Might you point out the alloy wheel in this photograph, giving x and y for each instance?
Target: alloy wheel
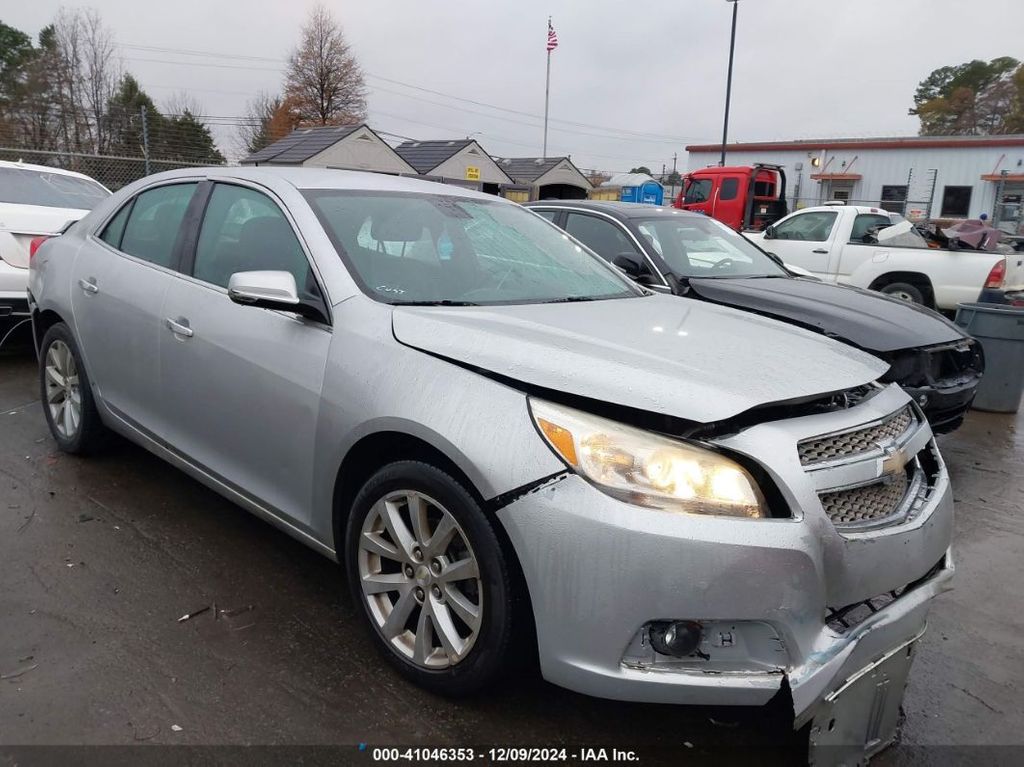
(420, 579)
(63, 392)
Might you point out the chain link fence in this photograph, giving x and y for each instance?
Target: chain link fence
(113, 171)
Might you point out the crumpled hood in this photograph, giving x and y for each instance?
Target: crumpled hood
(687, 359)
(865, 318)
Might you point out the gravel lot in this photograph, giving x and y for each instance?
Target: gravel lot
(100, 557)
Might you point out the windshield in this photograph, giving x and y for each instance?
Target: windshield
(49, 190)
(416, 249)
(697, 246)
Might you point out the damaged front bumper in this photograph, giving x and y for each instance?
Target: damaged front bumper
(942, 380)
(766, 592)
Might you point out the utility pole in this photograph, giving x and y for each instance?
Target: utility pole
(145, 137)
(728, 81)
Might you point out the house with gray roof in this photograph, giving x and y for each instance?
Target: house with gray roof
(459, 161)
(351, 147)
(546, 178)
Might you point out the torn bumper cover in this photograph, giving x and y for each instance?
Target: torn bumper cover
(602, 573)
(941, 379)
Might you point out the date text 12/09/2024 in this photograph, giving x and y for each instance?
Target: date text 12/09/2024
(432, 755)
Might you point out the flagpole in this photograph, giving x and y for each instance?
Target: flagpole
(547, 93)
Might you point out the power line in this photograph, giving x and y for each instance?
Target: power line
(227, 56)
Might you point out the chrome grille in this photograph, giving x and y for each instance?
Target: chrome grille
(867, 503)
(866, 440)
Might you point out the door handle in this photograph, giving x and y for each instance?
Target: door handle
(823, 251)
(89, 286)
(178, 328)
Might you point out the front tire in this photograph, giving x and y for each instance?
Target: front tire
(67, 394)
(428, 573)
(905, 292)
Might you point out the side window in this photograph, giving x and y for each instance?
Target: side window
(550, 215)
(865, 222)
(730, 189)
(814, 226)
(154, 222)
(603, 237)
(245, 231)
(699, 190)
(114, 230)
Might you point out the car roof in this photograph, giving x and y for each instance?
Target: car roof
(324, 178)
(19, 165)
(615, 208)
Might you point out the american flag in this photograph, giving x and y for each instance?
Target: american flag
(552, 37)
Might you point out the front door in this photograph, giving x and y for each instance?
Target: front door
(807, 240)
(120, 277)
(243, 384)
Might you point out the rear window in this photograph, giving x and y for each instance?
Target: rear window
(49, 190)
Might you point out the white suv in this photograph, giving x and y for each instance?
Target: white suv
(35, 201)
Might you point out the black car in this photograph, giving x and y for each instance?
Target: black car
(691, 255)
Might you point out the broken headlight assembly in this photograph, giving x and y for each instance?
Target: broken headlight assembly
(647, 469)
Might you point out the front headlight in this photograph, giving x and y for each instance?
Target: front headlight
(647, 469)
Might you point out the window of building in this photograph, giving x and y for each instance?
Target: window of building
(894, 198)
(956, 201)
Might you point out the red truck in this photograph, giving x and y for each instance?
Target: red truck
(747, 197)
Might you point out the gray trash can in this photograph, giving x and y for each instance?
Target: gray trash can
(1000, 329)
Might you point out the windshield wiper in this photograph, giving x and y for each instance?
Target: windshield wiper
(443, 302)
(569, 300)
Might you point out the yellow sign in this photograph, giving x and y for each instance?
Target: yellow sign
(472, 173)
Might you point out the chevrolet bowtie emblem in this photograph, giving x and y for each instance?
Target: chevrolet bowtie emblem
(895, 460)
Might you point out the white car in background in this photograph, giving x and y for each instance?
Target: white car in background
(35, 202)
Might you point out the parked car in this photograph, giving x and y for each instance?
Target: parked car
(35, 202)
(841, 244)
(743, 197)
(504, 440)
(691, 255)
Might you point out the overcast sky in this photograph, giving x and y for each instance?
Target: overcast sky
(631, 82)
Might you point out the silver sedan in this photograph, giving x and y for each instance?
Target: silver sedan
(506, 441)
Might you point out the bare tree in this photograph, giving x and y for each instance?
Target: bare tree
(324, 80)
(100, 72)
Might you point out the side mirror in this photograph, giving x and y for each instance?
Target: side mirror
(631, 264)
(267, 290)
(769, 232)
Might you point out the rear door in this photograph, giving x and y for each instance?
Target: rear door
(241, 384)
(119, 279)
(808, 240)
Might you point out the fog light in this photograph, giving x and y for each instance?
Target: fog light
(676, 638)
(922, 400)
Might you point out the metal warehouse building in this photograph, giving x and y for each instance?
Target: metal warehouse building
(920, 176)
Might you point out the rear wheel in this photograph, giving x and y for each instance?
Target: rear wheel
(429, 575)
(66, 393)
(904, 291)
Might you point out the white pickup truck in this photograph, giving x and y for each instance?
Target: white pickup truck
(829, 242)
